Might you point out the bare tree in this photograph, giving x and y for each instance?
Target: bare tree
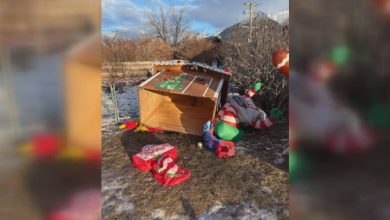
(169, 24)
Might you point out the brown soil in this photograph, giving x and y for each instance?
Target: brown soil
(250, 176)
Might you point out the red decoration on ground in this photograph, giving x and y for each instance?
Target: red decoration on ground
(280, 60)
(149, 154)
(168, 173)
(154, 130)
(45, 145)
(129, 125)
(161, 161)
(93, 155)
(225, 149)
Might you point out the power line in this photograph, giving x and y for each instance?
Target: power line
(251, 12)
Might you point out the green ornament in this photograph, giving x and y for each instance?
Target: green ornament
(379, 116)
(340, 54)
(276, 113)
(297, 166)
(226, 131)
(257, 86)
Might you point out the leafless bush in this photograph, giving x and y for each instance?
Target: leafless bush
(252, 62)
(193, 46)
(115, 51)
(149, 49)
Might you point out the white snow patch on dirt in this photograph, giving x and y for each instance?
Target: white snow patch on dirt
(242, 211)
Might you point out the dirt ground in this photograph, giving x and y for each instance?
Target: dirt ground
(254, 183)
(344, 186)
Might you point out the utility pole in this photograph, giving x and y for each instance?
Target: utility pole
(251, 12)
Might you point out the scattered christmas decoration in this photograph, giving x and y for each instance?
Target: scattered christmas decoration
(160, 160)
(297, 166)
(168, 173)
(339, 54)
(241, 109)
(49, 146)
(174, 83)
(129, 125)
(214, 143)
(383, 7)
(280, 60)
(45, 145)
(379, 116)
(141, 128)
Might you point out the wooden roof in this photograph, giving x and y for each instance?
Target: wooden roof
(191, 84)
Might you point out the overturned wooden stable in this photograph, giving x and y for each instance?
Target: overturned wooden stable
(182, 96)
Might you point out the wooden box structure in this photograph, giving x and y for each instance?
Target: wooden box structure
(83, 94)
(182, 96)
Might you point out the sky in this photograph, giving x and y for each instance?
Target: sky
(205, 16)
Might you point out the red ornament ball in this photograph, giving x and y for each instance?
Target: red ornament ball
(280, 60)
(383, 6)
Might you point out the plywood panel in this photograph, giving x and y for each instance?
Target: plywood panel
(167, 68)
(149, 102)
(181, 118)
(187, 103)
(83, 101)
(192, 85)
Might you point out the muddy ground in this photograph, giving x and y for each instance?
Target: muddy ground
(252, 184)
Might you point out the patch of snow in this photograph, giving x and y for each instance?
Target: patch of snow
(179, 217)
(124, 208)
(266, 189)
(158, 214)
(278, 160)
(114, 183)
(242, 211)
(127, 105)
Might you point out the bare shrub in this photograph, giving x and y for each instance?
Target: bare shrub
(194, 45)
(115, 51)
(149, 49)
(252, 62)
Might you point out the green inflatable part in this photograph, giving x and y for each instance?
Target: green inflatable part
(297, 166)
(276, 113)
(340, 54)
(239, 136)
(379, 116)
(227, 132)
(257, 86)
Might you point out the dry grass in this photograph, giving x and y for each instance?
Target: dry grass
(232, 181)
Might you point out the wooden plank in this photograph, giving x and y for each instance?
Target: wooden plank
(219, 88)
(182, 118)
(149, 103)
(212, 89)
(198, 86)
(149, 80)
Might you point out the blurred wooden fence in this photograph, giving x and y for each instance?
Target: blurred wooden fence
(125, 69)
